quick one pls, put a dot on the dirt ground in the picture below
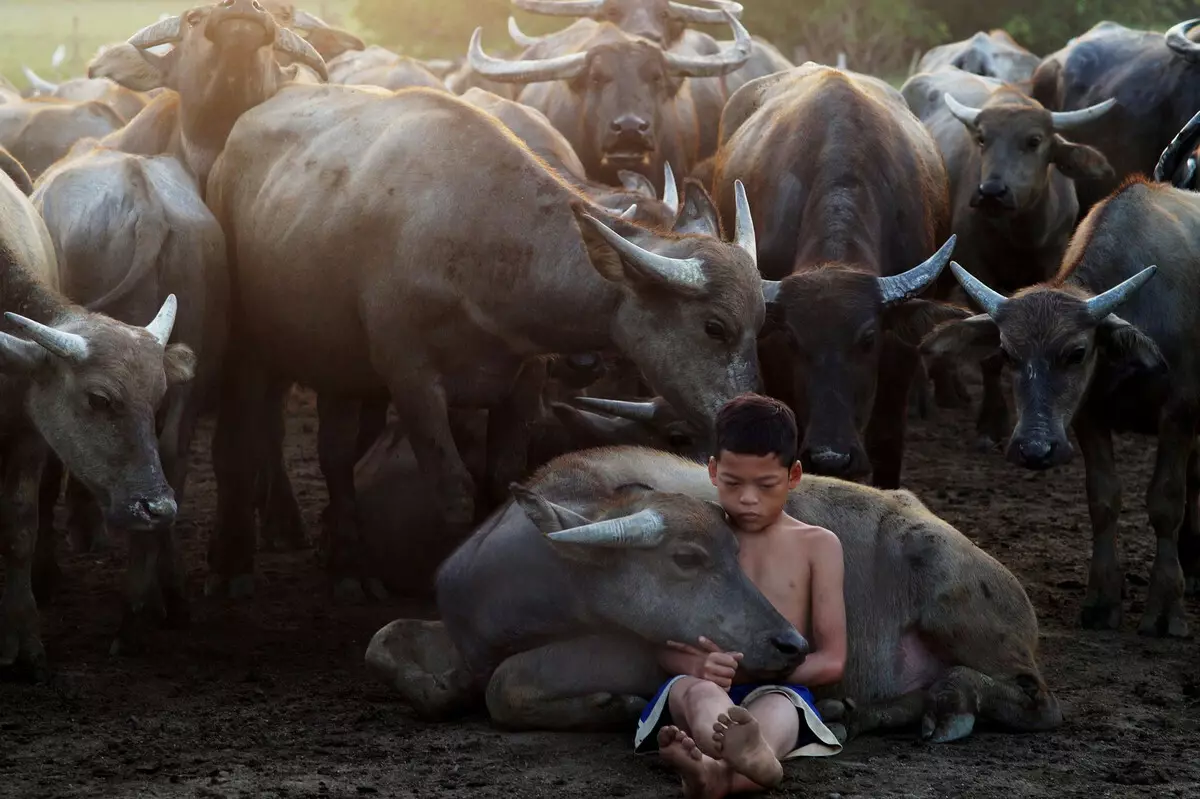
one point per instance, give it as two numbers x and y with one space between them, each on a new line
269 697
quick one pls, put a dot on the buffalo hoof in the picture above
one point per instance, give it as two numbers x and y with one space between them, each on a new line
839 731
240 586
22 657
948 728
418 660
832 709
1101 615
1168 624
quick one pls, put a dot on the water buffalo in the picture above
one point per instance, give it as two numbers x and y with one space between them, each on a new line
1076 362
376 66
40 131
12 167
125 102
421 313
1177 164
994 54
627 554
1155 80
622 102
87 387
858 196
1012 190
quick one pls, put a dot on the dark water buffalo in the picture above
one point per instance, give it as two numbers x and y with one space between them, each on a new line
42 130
994 54
428 319
1075 362
1155 80
858 202
87 387
1012 190
623 102
626 553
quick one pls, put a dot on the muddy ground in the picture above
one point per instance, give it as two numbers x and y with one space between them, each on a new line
269 697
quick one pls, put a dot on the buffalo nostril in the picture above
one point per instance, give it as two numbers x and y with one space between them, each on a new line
1036 451
993 188
790 644
257 6
162 509
827 460
615 126
643 126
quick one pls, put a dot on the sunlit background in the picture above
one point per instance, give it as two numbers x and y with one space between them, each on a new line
877 36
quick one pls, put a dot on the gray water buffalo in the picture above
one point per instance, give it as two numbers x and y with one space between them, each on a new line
87 387
423 314
1076 362
40 131
859 206
624 553
1012 189
994 54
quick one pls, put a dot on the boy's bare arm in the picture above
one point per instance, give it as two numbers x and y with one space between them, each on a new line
827 660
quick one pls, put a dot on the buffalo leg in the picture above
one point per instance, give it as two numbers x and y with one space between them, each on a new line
1102 605
279 513
1189 536
421 404
589 683
902 713
85 522
949 390
993 425
961 695
889 416
508 431
337 444
46 572
372 421
20 639
143 600
1165 499
175 445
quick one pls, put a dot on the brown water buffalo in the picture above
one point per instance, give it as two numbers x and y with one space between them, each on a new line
40 131
622 102
1012 190
994 54
858 203
625 549
1076 362
125 102
422 314
85 386
1155 80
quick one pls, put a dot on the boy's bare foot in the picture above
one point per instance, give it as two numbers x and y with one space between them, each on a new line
742 747
701 775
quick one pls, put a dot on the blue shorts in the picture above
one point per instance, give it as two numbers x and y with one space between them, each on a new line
814 738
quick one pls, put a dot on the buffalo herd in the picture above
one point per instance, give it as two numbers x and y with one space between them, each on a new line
521 287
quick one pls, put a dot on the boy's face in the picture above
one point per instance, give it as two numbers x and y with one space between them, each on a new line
753 488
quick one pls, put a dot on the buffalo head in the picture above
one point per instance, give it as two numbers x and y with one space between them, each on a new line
660 21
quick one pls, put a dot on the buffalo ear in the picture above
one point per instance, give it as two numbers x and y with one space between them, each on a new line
977 336
20 356
1047 80
1076 161
1122 342
180 363
697 214
131 67
545 515
637 183
913 320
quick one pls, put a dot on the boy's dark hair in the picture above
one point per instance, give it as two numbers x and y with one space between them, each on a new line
756 425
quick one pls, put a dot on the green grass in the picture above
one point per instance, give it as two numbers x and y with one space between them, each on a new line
30 30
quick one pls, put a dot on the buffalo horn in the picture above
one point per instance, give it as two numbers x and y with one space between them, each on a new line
164 322
680 271
963 113
643 530
704 16
561 8
61 343
40 84
304 21
907 285
670 196
1178 41
770 289
743 235
167 31
990 301
634 411
630 212
300 50
713 66
1069 120
519 36
1102 305
1184 142
562 67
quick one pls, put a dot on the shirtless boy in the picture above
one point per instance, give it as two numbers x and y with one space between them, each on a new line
722 735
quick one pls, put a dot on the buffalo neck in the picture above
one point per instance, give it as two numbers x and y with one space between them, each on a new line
839 226
23 293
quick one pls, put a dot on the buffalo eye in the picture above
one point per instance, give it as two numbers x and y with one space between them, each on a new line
866 341
980 140
1034 141
679 441
690 559
715 330
98 402
1075 356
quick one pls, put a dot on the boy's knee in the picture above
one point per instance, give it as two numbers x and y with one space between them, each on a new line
699 692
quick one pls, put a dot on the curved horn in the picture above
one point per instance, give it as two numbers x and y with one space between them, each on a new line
743 235
40 84
1183 143
990 301
643 530
301 51
630 212
634 411
167 31
680 271
1101 306
162 324
1180 44
713 66
670 195
1068 120
520 37
907 285
771 289
561 8
704 16
963 113
63 344
562 67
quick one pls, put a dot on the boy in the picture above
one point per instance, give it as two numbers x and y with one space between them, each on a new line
721 735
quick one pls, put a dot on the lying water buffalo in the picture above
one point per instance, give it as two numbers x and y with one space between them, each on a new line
619 552
1075 362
